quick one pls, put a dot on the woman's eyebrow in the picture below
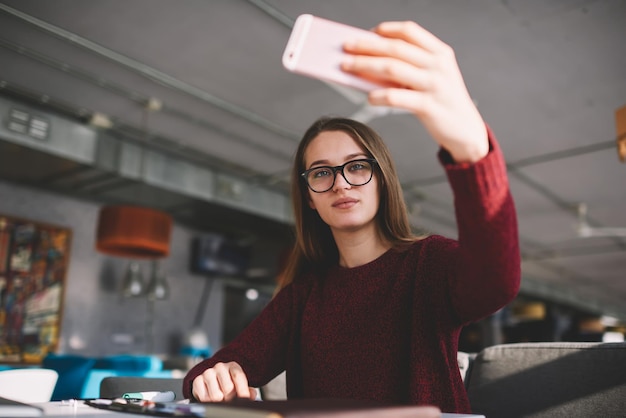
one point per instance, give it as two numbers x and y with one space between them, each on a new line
346 158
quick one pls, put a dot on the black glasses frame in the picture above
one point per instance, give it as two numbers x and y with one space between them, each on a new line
338 168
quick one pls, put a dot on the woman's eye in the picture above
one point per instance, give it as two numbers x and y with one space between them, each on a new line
357 166
321 173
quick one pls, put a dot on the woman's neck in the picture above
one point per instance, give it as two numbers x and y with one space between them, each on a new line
360 247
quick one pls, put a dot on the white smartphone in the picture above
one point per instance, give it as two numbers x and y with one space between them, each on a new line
315 49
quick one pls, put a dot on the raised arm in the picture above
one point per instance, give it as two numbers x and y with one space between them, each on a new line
485 268
429 84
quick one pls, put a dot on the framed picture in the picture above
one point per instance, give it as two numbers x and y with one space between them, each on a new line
34 258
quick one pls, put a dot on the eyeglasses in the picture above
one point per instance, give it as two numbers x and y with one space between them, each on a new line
356 172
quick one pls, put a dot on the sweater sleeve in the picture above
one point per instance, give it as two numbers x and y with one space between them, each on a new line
486 267
260 349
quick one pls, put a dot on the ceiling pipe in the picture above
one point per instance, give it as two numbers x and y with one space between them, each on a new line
353 95
151 73
585 230
165 171
274 12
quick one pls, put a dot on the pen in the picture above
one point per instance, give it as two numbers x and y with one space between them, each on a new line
166 396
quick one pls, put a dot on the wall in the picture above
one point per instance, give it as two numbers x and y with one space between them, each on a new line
96 319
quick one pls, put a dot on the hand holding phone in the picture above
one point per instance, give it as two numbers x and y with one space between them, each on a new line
419 75
315 49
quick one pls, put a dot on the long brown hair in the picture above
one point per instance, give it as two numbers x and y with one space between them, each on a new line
315 247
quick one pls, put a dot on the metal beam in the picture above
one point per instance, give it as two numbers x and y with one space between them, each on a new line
138 162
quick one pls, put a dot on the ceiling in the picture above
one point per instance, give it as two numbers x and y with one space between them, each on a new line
202 82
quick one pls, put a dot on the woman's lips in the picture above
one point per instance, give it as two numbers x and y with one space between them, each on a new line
344 203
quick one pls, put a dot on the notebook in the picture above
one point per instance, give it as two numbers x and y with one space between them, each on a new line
314 408
15 409
305 408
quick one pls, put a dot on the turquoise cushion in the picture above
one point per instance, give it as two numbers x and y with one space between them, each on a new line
72 372
131 363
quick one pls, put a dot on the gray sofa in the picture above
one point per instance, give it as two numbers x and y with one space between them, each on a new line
555 379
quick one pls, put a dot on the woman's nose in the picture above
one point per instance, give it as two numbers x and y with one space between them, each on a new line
340 181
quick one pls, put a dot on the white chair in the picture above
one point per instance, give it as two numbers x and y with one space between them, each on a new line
29 385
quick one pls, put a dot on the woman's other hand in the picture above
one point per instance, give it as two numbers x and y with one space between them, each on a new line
222 382
428 83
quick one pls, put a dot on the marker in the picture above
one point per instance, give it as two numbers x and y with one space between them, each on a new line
167 396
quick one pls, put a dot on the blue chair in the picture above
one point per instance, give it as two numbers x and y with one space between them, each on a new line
72 370
130 363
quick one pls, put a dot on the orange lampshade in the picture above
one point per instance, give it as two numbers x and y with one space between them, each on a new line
620 125
134 232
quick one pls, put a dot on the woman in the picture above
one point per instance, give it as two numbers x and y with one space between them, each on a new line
367 310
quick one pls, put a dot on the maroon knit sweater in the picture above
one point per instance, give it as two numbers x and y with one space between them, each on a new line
388 330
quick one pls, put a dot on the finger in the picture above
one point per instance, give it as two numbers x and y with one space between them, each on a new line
395 48
225 385
252 393
413 101
214 389
388 71
199 390
240 380
413 33
209 391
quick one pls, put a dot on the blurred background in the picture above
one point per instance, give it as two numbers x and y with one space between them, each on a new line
184 108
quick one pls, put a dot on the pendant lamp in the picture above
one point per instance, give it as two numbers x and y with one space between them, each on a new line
620 125
133 232
158 288
133 281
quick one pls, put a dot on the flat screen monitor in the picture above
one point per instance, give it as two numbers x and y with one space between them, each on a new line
215 254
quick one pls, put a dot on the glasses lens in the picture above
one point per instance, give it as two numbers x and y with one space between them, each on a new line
321 179
358 173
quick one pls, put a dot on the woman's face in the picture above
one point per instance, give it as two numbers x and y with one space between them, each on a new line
344 207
